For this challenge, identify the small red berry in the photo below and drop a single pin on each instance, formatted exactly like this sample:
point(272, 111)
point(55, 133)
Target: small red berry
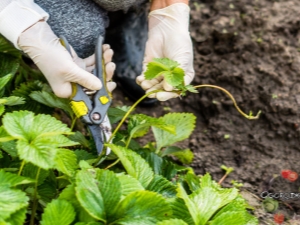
point(285, 173)
point(278, 218)
point(292, 176)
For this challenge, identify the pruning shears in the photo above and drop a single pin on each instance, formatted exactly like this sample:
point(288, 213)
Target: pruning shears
point(91, 106)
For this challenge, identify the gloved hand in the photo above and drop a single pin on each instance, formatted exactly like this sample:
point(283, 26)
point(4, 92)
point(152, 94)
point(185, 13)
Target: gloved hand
point(168, 38)
point(58, 66)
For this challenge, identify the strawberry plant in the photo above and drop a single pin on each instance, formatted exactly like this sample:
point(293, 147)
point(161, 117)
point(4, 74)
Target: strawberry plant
point(50, 172)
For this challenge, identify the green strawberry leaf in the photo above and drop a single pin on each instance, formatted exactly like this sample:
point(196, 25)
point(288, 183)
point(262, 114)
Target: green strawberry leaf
point(52, 100)
point(109, 186)
point(174, 77)
point(180, 210)
point(11, 201)
point(155, 69)
point(134, 164)
point(129, 184)
point(17, 218)
point(4, 80)
point(39, 137)
point(89, 195)
point(13, 180)
point(66, 162)
point(58, 212)
point(139, 125)
point(160, 166)
point(13, 100)
point(172, 222)
point(142, 207)
point(202, 208)
point(2, 109)
point(161, 185)
point(184, 123)
point(166, 62)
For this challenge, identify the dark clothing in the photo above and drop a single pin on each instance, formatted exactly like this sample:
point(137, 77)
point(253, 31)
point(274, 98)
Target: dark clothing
point(82, 21)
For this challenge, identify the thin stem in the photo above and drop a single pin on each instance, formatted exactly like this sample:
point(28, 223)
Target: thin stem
point(73, 123)
point(124, 118)
point(250, 117)
point(222, 179)
point(34, 204)
point(130, 111)
point(21, 167)
point(111, 165)
point(118, 160)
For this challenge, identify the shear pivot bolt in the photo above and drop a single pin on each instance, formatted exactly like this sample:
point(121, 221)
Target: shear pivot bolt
point(96, 116)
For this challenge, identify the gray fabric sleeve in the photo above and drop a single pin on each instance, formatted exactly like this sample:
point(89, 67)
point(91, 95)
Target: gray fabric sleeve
point(4, 3)
point(115, 5)
point(80, 21)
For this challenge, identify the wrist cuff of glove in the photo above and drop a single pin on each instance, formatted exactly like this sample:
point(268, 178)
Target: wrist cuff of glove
point(17, 17)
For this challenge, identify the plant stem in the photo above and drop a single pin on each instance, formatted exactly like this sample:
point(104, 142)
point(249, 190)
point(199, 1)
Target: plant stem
point(34, 204)
point(21, 167)
point(223, 178)
point(250, 117)
point(118, 160)
point(123, 120)
point(73, 123)
point(130, 111)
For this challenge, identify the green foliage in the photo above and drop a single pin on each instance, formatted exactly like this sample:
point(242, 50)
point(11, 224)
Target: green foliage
point(59, 212)
point(45, 178)
point(167, 68)
point(171, 72)
point(39, 138)
point(11, 201)
point(184, 123)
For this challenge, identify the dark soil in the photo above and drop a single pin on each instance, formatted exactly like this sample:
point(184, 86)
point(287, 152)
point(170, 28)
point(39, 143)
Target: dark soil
point(250, 48)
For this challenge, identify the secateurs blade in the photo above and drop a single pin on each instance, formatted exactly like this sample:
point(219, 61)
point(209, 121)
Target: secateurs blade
point(91, 106)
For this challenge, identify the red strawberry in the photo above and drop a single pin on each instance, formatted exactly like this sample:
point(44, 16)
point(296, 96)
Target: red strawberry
point(292, 176)
point(285, 173)
point(278, 218)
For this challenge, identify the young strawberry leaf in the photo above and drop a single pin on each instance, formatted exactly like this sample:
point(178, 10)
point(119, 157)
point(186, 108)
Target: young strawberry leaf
point(142, 207)
point(134, 164)
point(174, 77)
point(184, 123)
point(11, 201)
point(59, 212)
point(167, 68)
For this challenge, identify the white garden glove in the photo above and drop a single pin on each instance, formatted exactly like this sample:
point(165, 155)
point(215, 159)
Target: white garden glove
point(58, 66)
point(168, 38)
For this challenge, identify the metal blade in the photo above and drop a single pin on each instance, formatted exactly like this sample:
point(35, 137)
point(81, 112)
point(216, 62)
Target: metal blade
point(97, 134)
point(106, 129)
point(101, 134)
